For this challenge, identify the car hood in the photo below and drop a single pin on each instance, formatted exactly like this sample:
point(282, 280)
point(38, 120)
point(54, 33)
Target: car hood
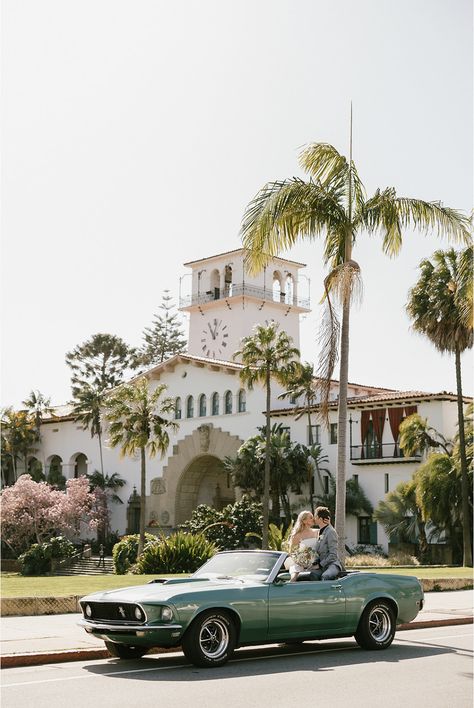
point(165, 592)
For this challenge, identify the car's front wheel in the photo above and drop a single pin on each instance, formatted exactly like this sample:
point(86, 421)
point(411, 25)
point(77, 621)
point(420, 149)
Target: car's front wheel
point(376, 628)
point(210, 640)
point(123, 651)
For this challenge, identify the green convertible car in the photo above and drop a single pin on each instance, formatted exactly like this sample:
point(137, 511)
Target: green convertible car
point(241, 598)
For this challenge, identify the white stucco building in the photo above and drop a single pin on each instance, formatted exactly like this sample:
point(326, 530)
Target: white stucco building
point(216, 414)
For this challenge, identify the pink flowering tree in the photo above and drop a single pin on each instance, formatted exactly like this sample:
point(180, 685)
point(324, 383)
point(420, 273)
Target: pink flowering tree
point(33, 512)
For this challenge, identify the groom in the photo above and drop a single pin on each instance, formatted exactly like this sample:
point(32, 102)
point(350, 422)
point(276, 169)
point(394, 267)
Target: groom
point(328, 566)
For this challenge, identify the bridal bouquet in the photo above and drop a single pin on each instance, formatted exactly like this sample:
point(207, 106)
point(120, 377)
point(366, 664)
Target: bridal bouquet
point(303, 556)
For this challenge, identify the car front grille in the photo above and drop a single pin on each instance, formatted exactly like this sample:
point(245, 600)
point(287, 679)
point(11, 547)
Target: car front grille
point(113, 612)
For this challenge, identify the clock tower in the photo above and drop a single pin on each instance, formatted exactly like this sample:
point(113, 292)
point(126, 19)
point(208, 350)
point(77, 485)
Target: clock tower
point(224, 302)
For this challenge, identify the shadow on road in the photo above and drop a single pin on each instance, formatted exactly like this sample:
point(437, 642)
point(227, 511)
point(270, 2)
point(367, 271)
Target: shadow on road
point(259, 661)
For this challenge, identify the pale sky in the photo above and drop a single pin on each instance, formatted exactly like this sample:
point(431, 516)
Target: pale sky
point(135, 134)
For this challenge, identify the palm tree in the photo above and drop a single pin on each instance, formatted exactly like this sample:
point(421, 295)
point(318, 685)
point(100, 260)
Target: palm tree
point(333, 204)
point(266, 354)
point(139, 423)
point(401, 515)
point(416, 436)
point(440, 307)
point(87, 409)
point(301, 385)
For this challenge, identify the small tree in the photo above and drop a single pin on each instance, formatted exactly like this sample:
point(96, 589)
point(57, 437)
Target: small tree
point(401, 515)
point(267, 354)
point(139, 423)
point(34, 511)
point(165, 337)
point(288, 468)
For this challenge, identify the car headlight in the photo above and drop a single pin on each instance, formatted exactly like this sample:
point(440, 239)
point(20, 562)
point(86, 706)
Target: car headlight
point(138, 613)
point(88, 610)
point(166, 614)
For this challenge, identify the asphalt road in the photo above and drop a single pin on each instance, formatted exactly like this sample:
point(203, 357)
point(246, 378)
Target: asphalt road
point(427, 667)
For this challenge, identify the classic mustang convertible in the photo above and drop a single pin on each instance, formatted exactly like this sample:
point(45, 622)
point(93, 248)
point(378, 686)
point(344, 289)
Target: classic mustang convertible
point(244, 597)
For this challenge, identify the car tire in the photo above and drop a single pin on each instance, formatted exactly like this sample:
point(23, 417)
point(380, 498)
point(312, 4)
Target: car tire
point(210, 640)
point(123, 651)
point(376, 628)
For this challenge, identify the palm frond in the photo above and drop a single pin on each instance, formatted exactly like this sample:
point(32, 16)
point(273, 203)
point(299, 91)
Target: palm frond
point(283, 212)
point(389, 214)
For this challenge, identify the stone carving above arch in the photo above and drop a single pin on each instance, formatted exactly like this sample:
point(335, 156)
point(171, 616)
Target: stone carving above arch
point(158, 486)
point(187, 468)
point(204, 437)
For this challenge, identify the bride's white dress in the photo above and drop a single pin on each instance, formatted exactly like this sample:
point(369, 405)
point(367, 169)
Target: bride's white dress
point(305, 543)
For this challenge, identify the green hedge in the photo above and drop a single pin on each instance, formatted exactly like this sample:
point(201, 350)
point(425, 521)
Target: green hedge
point(37, 559)
point(179, 553)
point(125, 552)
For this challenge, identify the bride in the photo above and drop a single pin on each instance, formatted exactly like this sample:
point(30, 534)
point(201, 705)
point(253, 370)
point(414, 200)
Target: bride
point(302, 536)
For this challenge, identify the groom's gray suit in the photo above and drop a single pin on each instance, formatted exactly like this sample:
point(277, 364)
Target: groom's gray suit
point(326, 548)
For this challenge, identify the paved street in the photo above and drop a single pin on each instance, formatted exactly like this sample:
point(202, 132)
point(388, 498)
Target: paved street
point(431, 667)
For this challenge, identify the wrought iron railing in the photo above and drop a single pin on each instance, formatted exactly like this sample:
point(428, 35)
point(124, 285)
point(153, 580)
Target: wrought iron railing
point(242, 289)
point(379, 451)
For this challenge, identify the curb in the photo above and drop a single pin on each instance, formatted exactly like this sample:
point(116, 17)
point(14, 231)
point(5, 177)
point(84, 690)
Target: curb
point(60, 656)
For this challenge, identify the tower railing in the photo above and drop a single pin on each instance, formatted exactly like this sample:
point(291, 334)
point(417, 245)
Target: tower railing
point(235, 290)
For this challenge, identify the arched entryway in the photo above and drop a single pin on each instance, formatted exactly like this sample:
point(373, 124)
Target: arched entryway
point(194, 475)
point(203, 481)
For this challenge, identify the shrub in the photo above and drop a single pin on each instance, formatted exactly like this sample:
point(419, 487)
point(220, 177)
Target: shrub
point(377, 561)
point(367, 560)
point(179, 553)
point(401, 558)
point(37, 559)
point(125, 552)
point(228, 528)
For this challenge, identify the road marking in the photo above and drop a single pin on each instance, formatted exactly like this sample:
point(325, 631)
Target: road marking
point(321, 650)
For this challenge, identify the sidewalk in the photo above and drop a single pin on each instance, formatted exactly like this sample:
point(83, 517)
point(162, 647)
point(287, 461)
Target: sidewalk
point(46, 639)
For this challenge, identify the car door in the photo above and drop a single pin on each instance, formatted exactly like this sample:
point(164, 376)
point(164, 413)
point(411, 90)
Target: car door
point(308, 608)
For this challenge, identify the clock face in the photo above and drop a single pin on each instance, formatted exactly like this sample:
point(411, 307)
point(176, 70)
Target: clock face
point(214, 338)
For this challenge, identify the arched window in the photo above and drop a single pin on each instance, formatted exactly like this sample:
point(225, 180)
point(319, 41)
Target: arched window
point(228, 281)
point(228, 402)
point(177, 408)
point(190, 407)
point(215, 290)
point(276, 287)
point(242, 401)
point(215, 404)
point(202, 404)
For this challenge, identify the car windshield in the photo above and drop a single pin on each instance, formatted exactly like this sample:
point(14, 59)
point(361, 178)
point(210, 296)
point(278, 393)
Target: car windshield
point(235, 565)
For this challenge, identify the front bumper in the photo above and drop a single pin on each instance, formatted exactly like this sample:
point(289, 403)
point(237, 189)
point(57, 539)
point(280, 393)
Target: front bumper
point(147, 635)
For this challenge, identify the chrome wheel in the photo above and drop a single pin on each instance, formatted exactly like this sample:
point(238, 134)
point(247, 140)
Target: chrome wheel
point(213, 638)
point(380, 624)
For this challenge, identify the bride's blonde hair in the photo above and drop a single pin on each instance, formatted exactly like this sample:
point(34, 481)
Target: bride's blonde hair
point(298, 527)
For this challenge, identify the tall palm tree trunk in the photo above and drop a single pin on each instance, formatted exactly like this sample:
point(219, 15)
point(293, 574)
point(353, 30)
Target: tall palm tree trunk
point(141, 542)
point(99, 435)
point(342, 432)
point(266, 477)
point(466, 526)
point(311, 479)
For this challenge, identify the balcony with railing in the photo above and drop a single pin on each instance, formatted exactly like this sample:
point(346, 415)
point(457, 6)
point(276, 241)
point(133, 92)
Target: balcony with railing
point(374, 453)
point(235, 290)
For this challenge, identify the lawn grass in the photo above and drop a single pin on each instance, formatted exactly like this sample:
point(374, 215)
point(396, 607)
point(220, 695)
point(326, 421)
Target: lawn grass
point(15, 585)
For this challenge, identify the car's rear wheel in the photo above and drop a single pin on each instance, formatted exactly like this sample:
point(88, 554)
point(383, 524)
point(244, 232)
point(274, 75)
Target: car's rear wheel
point(210, 640)
point(123, 651)
point(376, 628)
